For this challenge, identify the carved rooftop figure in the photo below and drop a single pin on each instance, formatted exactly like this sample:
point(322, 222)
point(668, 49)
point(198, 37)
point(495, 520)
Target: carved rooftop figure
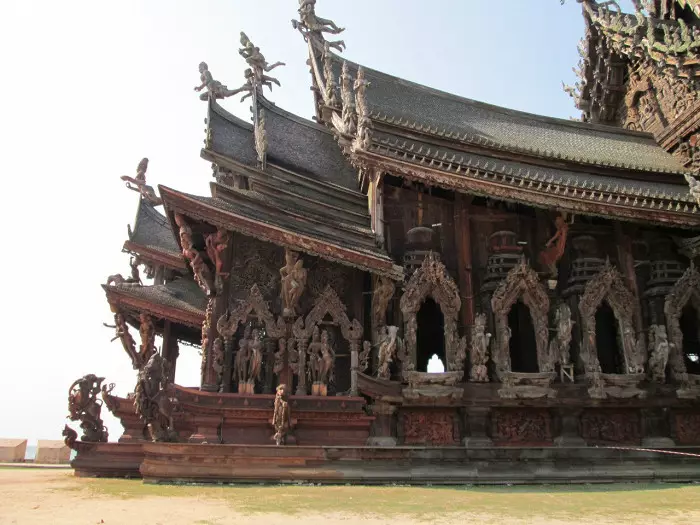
point(258, 64)
point(312, 26)
point(139, 185)
point(215, 89)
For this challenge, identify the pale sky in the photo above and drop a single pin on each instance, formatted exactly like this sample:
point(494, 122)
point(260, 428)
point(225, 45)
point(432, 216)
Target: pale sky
point(90, 87)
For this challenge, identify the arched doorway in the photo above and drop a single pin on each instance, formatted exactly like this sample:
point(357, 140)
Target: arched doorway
point(522, 344)
point(691, 345)
point(607, 339)
point(431, 334)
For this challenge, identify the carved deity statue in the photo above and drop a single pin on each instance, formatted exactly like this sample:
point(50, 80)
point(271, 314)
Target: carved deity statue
point(255, 361)
point(560, 344)
point(363, 358)
point(147, 332)
point(202, 272)
point(479, 350)
point(293, 276)
point(325, 369)
point(312, 26)
point(152, 400)
point(216, 243)
point(240, 365)
point(84, 406)
point(659, 349)
point(364, 123)
point(121, 330)
point(383, 292)
point(281, 416)
point(218, 359)
point(554, 249)
point(258, 64)
point(215, 89)
point(314, 353)
point(390, 347)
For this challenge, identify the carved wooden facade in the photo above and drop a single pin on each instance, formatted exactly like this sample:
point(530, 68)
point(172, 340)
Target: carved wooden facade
point(685, 291)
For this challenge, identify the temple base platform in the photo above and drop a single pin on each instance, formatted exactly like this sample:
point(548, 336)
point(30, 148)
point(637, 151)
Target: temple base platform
point(203, 463)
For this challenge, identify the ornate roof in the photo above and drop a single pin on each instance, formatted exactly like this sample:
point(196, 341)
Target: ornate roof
point(152, 237)
point(181, 300)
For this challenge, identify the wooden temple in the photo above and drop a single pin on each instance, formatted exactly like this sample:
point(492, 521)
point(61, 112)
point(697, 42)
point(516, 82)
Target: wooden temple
point(548, 264)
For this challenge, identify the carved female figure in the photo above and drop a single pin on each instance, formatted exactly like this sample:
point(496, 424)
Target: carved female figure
point(562, 342)
point(281, 416)
point(659, 349)
point(479, 351)
point(216, 243)
point(314, 351)
point(554, 249)
point(242, 357)
point(255, 362)
point(293, 276)
point(327, 360)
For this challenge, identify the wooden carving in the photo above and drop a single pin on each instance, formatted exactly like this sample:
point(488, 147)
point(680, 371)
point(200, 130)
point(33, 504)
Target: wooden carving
point(293, 276)
point(202, 272)
point(554, 250)
point(434, 427)
point(206, 351)
point(608, 285)
point(312, 26)
point(659, 349)
point(686, 290)
point(521, 282)
point(152, 399)
point(281, 416)
point(122, 333)
point(216, 244)
point(364, 123)
point(432, 280)
point(390, 348)
point(348, 124)
point(687, 428)
point(559, 345)
point(383, 292)
point(147, 332)
point(479, 351)
point(330, 91)
point(84, 406)
point(601, 427)
point(321, 362)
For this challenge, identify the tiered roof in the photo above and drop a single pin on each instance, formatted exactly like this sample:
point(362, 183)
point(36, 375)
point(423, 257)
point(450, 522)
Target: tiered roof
point(152, 238)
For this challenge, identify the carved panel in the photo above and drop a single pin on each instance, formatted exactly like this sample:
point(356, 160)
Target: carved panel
point(687, 428)
point(686, 289)
point(255, 262)
point(519, 427)
point(608, 285)
point(605, 427)
point(521, 282)
point(323, 274)
point(434, 427)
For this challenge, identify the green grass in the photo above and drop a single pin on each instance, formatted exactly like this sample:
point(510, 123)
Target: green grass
point(620, 502)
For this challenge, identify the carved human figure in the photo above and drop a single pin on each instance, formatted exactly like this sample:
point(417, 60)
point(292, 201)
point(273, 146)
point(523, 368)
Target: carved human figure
point(390, 347)
point(84, 406)
point(479, 350)
point(325, 369)
point(659, 352)
point(256, 356)
point(218, 358)
point(364, 123)
point(152, 400)
point(257, 62)
point(694, 187)
point(216, 243)
point(383, 293)
point(281, 416)
point(349, 114)
point(330, 88)
point(293, 276)
point(147, 332)
point(554, 249)
point(243, 357)
point(562, 341)
point(315, 353)
point(121, 330)
point(215, 89)
point(279, 356)
point(314, 26)
point(363, 358)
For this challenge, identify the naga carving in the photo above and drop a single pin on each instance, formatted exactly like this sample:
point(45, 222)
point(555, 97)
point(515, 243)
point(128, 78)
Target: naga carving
point(84, 406)
point(152, 399)
point(432, 280)
point(133, 280)
point(281, 416)
point(686, 290)
point(293, 276)
point(521, 283)
point(608, 285)
point(202, 272)
point(479, 354)
point(312, 26)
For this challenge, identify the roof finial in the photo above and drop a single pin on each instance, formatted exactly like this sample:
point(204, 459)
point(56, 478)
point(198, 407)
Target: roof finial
point(138, 184)
point(258, 65)
point(312, 27)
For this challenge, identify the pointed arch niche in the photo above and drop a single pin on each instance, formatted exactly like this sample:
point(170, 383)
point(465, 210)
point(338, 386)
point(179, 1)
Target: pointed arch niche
point(432, 285)
point(682, 310)
point(607, 292)
point(521, 289)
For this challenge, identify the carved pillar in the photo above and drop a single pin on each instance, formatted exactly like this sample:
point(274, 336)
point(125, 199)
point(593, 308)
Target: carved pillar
point(477, 423)
point(384, 425)
point(570, 433)
point(626, 257)
point(216, 308)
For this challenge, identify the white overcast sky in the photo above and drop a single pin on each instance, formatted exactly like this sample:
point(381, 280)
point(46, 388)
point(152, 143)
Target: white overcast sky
point(88, 88)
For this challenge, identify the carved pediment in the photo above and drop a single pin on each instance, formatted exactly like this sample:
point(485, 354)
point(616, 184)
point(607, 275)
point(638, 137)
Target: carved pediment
point(254, 304)
point(431, 280)
point(328, 303)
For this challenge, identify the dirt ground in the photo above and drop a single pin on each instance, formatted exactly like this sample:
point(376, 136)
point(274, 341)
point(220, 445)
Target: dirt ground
point(30, 496)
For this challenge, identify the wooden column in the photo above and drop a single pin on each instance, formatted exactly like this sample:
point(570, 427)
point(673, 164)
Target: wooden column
point(217, 306)
point(171, 350)
point(464, 256)
point(626, 258)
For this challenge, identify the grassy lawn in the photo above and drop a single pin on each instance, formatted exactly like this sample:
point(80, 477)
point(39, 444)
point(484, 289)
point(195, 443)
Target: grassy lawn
point(620, 502)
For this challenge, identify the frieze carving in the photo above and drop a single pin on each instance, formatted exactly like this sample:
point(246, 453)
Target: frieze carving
point(434, 427)
point(519, 426)
point(312, 26)
point(659, 350)
point(383, 292)
point(687, 428)
point(601, 427)
point(202, 272)
point(561, 342)
point(686, 290)
point(479, 351)
point(521, 282)
point(293, 277)
point(84, 406)
point(152, 399)
point(432, 280)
